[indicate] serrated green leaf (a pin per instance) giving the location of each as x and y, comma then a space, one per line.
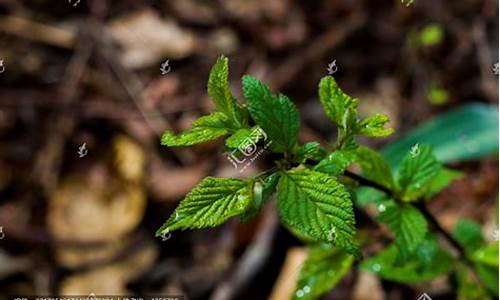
209, 204
336, 162
416, 172
373, 126
220, 93
442, 180
338, 106
276, 115
468, 235
204, 129
428, 263
374, 166
317, 205
238, 138
262, 190
408, 225
324, 267
312, 150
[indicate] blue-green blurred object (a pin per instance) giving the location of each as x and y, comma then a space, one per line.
466, 133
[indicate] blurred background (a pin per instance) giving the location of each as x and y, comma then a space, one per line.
87, 88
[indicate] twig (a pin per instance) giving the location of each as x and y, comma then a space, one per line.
484, 59
318, 48
366, 182
38, 32
254, 258
48, 161
423, 209
133, 86
130, 82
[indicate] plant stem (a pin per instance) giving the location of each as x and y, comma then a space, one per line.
420, 206
423, 209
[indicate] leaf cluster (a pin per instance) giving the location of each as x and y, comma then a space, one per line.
314, 197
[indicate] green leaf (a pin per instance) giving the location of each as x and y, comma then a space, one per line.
428, 262
324, 267
442, 180
489, 276
310, 151
375, 167
373, 126
408, 225
209, 204
468, 235
238, 138
220, 93
317, 205
485, 258
336, 162
204, 129
262, 191
338, 106
468, 287
487, 255
416, 172
465, 133
276, 115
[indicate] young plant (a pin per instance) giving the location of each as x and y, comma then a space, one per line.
316, 194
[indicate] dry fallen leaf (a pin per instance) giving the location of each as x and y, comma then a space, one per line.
101, 204
82, 211
171, 183
285, 284
129, 158
146, 39
368, 287
113, 278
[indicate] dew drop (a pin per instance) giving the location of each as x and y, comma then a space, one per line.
381, 207
376, 268
300, 293
307, 289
